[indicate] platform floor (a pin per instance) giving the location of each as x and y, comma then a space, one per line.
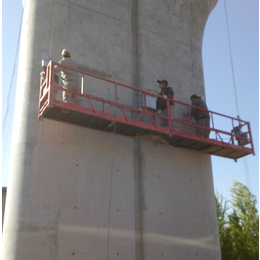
179, 139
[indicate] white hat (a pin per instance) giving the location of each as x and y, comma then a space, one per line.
65, 52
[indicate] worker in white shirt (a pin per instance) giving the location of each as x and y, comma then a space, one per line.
69, 78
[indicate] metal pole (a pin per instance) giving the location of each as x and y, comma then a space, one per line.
145, 106
51, 83
232, 132
169, 116
251, 139
116, 93
82, 84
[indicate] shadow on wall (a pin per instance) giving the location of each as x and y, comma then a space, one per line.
4, 192
159, 244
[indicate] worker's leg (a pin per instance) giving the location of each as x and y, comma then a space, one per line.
200, 130
56, 84
173, 116
66, 95
55, 91
76, 89
203, 122
164, 122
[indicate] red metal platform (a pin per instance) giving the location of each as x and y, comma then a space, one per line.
113, 112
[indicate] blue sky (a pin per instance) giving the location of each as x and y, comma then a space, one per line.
243, 21
244, 32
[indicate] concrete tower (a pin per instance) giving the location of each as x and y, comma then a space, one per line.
76, 193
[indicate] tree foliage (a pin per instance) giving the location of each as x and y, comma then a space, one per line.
238, 224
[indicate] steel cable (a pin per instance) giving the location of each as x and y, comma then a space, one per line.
7, 121
235, 91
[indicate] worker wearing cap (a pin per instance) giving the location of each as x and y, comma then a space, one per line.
69, 78
166, 92
201, 116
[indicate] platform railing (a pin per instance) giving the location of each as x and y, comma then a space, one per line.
134, 115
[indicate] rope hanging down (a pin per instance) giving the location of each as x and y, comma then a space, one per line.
52, 29
232, 64
236, 99
7, 121
11, 83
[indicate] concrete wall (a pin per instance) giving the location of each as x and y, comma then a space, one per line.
76, 193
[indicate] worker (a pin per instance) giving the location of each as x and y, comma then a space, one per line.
45, 61
238, 132
69, 78
166, 92
201, 116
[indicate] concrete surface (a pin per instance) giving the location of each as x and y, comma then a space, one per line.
76, 193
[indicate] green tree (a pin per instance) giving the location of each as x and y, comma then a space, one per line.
238, 230
244, 223
224, 231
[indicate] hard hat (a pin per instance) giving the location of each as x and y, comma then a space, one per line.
163, 81
65, 52
194, 96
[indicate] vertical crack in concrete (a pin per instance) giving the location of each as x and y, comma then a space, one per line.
137, 160
139, 201
110, 202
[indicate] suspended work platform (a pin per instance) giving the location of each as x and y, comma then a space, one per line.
110, 109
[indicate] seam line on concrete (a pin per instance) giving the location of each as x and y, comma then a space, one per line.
110, 200
83, 7
137, 160
52, 29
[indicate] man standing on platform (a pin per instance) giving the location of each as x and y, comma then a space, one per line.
69, 78
201, 116
166, 92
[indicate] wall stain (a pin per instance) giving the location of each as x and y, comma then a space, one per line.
102, 74
94, 71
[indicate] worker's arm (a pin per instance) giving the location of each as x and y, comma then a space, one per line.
169, 92
192, 112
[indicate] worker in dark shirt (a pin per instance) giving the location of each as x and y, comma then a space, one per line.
166, 92
201, 116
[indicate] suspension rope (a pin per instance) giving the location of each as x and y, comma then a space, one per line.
247, 175
52, 29
111, 186
231, 58
7, 122
14, 67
